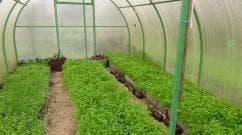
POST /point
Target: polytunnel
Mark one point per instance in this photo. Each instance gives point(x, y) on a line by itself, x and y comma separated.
point(145, 29)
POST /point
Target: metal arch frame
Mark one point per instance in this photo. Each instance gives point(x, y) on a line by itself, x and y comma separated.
point(64, 26)
point(201, 36)
point(141, 25)
point(128, 29)
point(200, 30)
point(147, 4)
point(195, 13)
point(126, 22)
point(15, 23)
point(4, 35)
point(164, 33)
point(94, 26)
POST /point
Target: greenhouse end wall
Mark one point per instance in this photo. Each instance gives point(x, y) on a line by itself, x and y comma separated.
point(147, 31)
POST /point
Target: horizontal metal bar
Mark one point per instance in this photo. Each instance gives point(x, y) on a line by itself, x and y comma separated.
point(27, 26)
point(109, 26)
point(52, 26)
point(73, 3)
point(152, 3)
point(19, 2)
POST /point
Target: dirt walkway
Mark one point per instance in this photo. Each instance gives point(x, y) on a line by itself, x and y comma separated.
point(59, 110)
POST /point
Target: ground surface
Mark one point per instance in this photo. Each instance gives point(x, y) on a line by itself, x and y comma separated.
point(59, 120)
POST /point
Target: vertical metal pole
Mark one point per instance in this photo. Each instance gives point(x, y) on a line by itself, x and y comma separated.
point(94, 27)
point(184, 60)
point(182, 40)
point(57, 28)
point(85, 26)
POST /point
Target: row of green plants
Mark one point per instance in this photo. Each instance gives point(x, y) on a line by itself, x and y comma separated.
point(22, 100)
point(102, 105)
point(199, 111)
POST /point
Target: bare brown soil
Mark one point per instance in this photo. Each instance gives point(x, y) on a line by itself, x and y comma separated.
point(59, 120)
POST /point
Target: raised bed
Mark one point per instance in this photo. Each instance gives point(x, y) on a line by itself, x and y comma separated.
point(161, 114)
point(102, 105)
point(200, 111)
point(101, 58)
point(22, 100)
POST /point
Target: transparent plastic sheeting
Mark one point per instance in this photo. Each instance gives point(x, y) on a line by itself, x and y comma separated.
point(6, 36)
point(71, 29)
point(214, 36)
point(222, 66)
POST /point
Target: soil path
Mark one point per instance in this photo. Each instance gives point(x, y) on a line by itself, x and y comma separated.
point(59, 110)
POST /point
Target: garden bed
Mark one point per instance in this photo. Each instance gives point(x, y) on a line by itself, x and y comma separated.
point(200, 111)
point(102, 105)
point(22, 100)
point(159, 113)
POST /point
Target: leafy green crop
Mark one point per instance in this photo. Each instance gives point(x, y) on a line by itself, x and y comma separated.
point(102, 105)
point(22, 100)
point(202, 112)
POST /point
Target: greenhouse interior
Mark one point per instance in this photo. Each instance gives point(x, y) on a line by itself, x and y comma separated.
point(120, 67)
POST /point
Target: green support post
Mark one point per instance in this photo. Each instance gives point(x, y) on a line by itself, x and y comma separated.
point(182, 40)
point(94, 26)
point(57, 28)
point(85, 28)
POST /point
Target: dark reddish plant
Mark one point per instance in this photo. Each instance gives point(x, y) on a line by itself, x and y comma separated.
point(56, 63)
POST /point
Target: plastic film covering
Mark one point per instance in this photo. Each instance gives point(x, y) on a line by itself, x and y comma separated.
point(154, 45)
point(121, 3)
point(8, 60)
point(170, 13)
point(110, 39)
point(34, 41)
point(71, 29)
point(219, 32)
point(107, 14)
point(5, 7)
point(9, 40)
point(70, 15)
point(72, 46)
point(135, 32)
point(222, 24)
point(137, 2)
point(37, 13)
point(37, 43)
point(193, 53)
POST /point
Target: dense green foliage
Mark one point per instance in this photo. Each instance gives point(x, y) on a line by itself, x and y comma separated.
point(102, 105)
point(22, 100)
point(202, 112)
